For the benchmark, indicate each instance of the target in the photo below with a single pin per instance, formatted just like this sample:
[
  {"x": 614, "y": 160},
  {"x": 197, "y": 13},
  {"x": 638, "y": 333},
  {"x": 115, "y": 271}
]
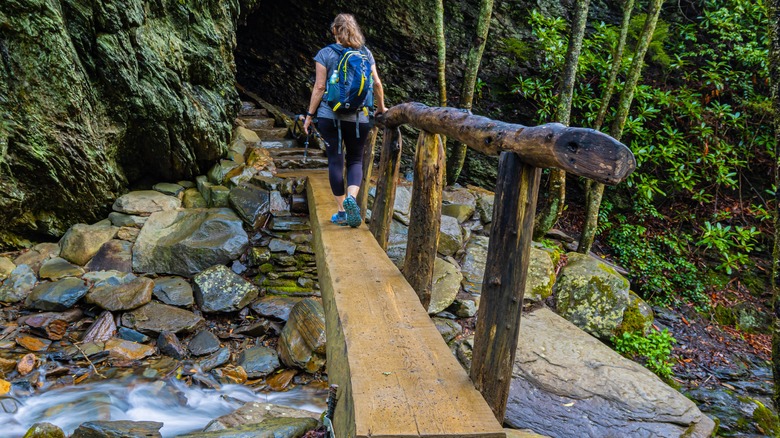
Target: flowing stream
[{"x": 181, "y": 408}]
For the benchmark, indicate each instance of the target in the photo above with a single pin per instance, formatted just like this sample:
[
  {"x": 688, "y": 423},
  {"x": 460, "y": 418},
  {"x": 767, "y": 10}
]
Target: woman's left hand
[{"x": 306, "y": 123}]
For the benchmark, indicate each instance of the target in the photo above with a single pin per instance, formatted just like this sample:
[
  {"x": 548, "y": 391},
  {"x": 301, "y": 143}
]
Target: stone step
[
  {"x": 253, "y": 112},
  {"x": 258, "y": 122},
  {"x": 271, "y": 133},
  {"x": 296, "y": 162},
  {"x": 281, "y": 143},
  {"x": 289, "y": 152}
]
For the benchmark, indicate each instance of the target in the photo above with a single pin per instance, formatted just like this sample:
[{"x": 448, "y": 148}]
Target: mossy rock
[{"x": 638, "y": 317}]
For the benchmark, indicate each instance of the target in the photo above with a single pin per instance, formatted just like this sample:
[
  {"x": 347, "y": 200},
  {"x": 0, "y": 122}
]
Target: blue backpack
[{"x": 350, "y": 87}]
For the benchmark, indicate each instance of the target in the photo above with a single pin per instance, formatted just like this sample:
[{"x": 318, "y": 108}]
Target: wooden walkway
[{"x": 396, "y": 376}]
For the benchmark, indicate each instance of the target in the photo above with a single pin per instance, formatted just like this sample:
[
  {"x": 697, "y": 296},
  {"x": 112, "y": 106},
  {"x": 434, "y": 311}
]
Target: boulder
[
  {"x": 473, "y": 264},
  {"x": 57, "y": 296},
  {"x": 219, "y": 196},
  {"x": 461, "y": 212},
  {"x": 127, "y": 296},
  {"x": 145, "y": 202},
  {"x": 302, "y": 342},
  {"x": 155, "y": 318},
  {"x": 175, "y": 291},
  {"x": 258, "y": 361},
  {"x": 450, "y": 236},
  {"x": 117, "y": 429},
  {"x": 251, "y": 203},
  {"x": 18, "y": 285},
  {"x": 403, "y": 204},
  {"x": 591, "y": 295},
  {"x": 169, "y": 189},
  {"x": 541, "y": 276},
  {"x": 193, "y": 199},
  {"x": 564, "y": 374},
  {"x": 186, "y": 242},
  {"x": 81, "y": 242},
  {"x": 273, "y": 427},
  {"x": 218, "y": 289},
  {"x": 35, "y": 257},
  {"x": 254, "y": 413},
  {"x": 114, "y": 255},
  {"x": 203, "y": 343},
  {"x": 126, "y": 220},
  {"x": 6, "y": 267},
  {"x": 57, "y": 267},
  {"x": 485, "y": 206},
  {"x": 459, "y": 195},
  {"x": 44, "y": 430},
  {"x": 446, "y": 284}
]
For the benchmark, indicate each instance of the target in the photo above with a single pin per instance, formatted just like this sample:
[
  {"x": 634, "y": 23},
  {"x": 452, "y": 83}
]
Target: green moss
[
  {"x": 633, "y": 322},
  {"x": 765, "y": 420},
  {"x": 266, "y": 268},
  {"x": 725, "y": 315}
]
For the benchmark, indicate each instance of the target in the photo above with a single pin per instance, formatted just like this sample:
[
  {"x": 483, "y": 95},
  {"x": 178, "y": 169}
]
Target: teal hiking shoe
[
  {"x": 353, "y": 212},
  {"x": 339, "y": 218}
]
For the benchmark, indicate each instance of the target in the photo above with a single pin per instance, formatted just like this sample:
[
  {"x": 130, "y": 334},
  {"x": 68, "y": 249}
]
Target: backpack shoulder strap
[{"x": 338, "y": 49}]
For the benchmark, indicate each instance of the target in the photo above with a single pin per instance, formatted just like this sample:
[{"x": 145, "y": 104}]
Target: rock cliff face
[{"x": 95, "y": 95}]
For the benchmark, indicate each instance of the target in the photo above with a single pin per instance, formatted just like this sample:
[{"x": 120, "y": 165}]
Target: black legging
[{"x": 354, "y": 147}]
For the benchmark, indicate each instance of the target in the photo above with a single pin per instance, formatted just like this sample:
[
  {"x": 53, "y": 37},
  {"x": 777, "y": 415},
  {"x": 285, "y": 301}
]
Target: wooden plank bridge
[{"x": 396, "y": 376}]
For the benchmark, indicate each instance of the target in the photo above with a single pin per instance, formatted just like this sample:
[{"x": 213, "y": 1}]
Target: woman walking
[{"x": 351, "y": 128}]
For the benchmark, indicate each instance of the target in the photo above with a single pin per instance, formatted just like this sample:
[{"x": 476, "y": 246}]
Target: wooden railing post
[
  {"x": 368, "y": 167},
  {"x": 426, "y": 215},
  {"x": 389, "y": 163},
  {"x": 506, "y": 269}
]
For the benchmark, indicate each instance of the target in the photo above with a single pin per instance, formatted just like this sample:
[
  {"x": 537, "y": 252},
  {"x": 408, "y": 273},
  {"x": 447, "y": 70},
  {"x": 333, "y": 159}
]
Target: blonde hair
[{"x": 347, "y": 31}]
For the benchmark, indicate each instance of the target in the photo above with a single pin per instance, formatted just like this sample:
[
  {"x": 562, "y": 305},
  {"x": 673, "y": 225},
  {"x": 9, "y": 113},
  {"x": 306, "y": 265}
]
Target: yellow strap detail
[
  {"x": 362, "y": 83},
  {"x": 337, "y": 106}
]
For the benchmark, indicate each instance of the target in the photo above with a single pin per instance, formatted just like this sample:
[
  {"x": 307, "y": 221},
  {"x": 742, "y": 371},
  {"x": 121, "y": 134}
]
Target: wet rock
[
  {"x": 473, "y": 264},
  {"x": 126, "y": 220},
  {"x": 193, "y": 199},
  {"x": 81, "y": 242},
  {"x": 450, "y": 237},
  {"x": 128, "y": 234},
  {"x": 132, "y": 335},
  {"x": 259, "y": 255},
  {"x": 446, "y": 284},
  {"x": 237, "y": 267},
  {"x": 591, "y": 295},
  {"x": 203, "y": 343},
  {"x": 57, "y": 267},
  {"x": 541, "y": 276},
  {"x": 44, "y": 430},
  {"x": 127, "y": 296},
  {"x": 258, "y": 361},
  {"x": 168, "y": 189},
  {"x": 280, "y": 380},
  {"x": 461, "y": 212},
  {"x": 114, "y": 255},
  {"x": 219, "y": 171},
  {"x": 145, "y": 202},
  {"x": 267, "y": 183},
  {"x": 290, "y": 224},
  {"x": 154, "y": 318},
  {"x": 6, "y": 267},
  {"x": 275, "y": 306},
  {"x": 98, "y": 278},
  {"x": 278, "y": 205},
  {"x": 128, "y": 350},
  {"x": 170, "y": 345},
  {"x": 230, "y": 374},
  {"x": 118, "y": 429},
  {"x": 188, "y": 241},
  {"x": 33, "y": 343},
  {"x": 58, "y": 295},
  {"x": 18, "y": 285},
  {"x": 590, "y": 390},
  {"x": 254, "y": 413},
  {"x": 218, "y": 289},
  {"x": 280, "y": 245},
  {"x": 260, "y": 328},
  {"x": 35, "y": 257},
  {"x": 26, "y": 364},
  {"x": 219, "y": 196},
  {"x": 300, "y": 238},
  {"x": 251, "y": 203},
  {"x": 302, "y": 342},
  {"x": 103, "y": 329},
  {"x": 217, "y": 359},
  {"x": 175, "y": 291},
  {"x": 274, "y": 427},
  {"x": 6, "y": 366},
  {"x": 464, "y": 308},
  {"x": 448, "y": 328}
]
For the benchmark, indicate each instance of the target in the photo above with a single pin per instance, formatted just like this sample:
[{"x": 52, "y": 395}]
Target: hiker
[{"x": 350, "y": 121}]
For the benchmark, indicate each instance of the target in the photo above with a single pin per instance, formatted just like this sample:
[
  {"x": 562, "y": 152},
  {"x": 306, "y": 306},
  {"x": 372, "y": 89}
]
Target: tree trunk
[
  {"x": 557, "y": 188},
  {"x": 506, "y": 270},
  {"x": 389, "y": 163},
  {"x": 583, "y": 152},
  {"x": 594, "y": 192},
  {"x": 773, "y": 9},
  {"x": 426, "y": 210},
  {"x": 458, "y": 157},
  {"x": 441, "y": 50}
]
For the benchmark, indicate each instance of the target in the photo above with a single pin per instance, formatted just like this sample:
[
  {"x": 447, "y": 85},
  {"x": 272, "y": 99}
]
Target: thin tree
[
  {"x": 593, "y": 194},
  {"x": 556, "y": 198},
  {"x": 458, "y": 157},
  {"x": 773, "y": 9},
  {"x": 441, "y": 49}
]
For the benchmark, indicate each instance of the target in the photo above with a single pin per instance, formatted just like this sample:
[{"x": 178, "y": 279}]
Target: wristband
[{"x": 309, "y": 114}]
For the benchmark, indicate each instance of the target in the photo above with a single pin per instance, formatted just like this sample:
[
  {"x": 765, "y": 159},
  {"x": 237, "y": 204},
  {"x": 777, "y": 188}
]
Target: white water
[{"x": 180, "y": 408}]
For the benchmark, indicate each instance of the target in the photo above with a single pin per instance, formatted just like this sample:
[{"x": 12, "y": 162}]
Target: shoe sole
[{"x": 353, "y": 212}]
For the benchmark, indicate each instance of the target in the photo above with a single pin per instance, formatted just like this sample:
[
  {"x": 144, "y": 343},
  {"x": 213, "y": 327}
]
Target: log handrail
[
  {"x": 580, "y": 151},
  {"x": 524, "y": 150}
]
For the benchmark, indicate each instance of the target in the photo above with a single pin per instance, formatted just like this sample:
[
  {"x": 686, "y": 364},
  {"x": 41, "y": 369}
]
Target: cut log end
[{"x": 594, "y": 155}]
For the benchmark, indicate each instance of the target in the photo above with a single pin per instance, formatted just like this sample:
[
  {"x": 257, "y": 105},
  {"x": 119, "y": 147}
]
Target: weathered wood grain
[
  {"x": 506, "y": 269},
  {"x": 580, "y": 151}
]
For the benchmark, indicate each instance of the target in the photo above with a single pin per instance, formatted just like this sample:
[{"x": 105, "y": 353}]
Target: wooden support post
[
  {"x": 368, "y": 167},
  {"x": 506, "y": 268},
  {"x": 389, "y": 163},
  {"x": 426, "y": 214}
]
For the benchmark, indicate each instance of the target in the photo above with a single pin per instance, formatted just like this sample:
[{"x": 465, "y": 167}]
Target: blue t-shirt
[{"x": 330, "y": 59}]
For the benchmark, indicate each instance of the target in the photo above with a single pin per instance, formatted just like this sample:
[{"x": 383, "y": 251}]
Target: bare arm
[
  {"x": 379, "y": 92},
  {"x": 316, "y": 93}
]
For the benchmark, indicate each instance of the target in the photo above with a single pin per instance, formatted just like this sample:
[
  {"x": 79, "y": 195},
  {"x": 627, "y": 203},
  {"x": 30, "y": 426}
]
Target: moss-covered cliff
[{"x": 98, "y": 94}]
